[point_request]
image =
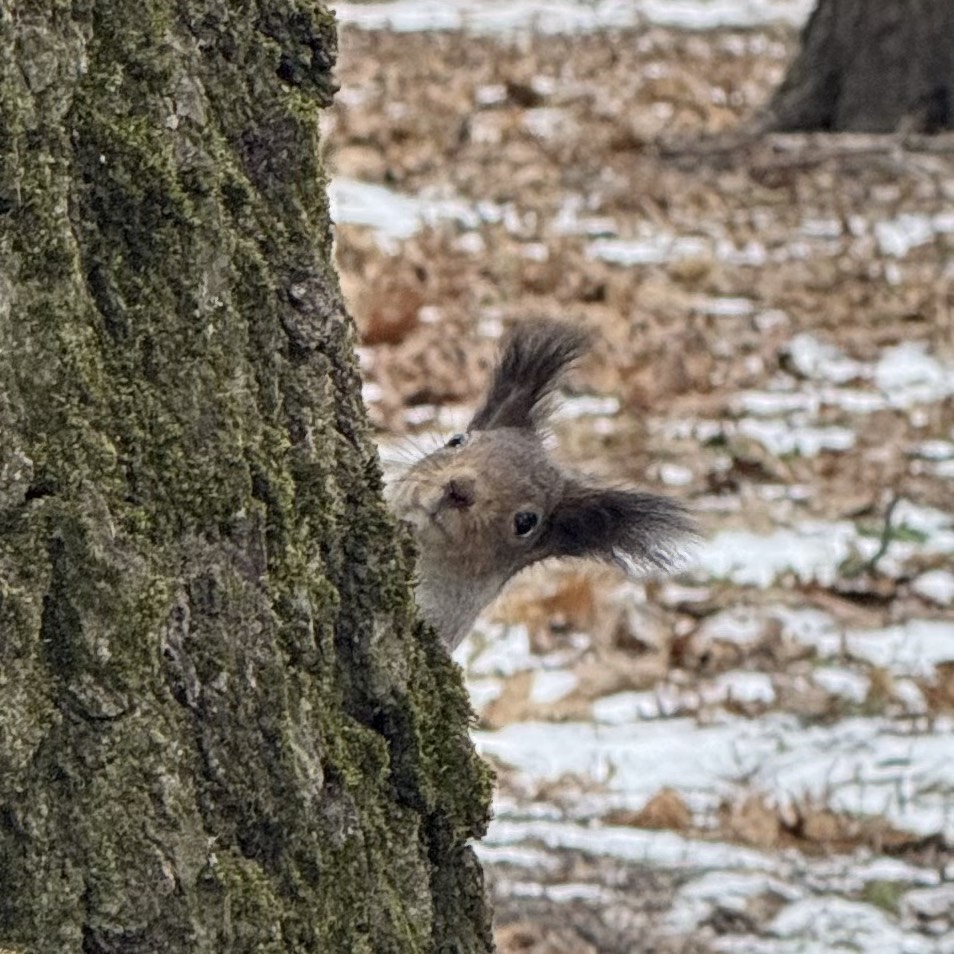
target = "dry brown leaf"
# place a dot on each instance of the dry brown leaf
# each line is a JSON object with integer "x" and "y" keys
{"x": 752, "y": 821}
{"x": 939, "y": 691}
{"x": 531, "y": 937}
{"x": 666, "y": 810}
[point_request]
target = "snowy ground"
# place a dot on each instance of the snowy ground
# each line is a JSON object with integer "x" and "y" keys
{"x": 506, "y": 17}
{"x": 757, "y": 756}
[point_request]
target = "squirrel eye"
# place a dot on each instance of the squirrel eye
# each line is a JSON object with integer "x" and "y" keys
{"x": 458, "y": 440}
{"x": 524, "y": 522}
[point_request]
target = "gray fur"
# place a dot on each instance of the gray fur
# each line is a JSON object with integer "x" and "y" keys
{"x": 534, "y": 358}
{"x": 469, "y": 502}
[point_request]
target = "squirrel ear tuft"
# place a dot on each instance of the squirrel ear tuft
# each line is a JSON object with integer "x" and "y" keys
{"x": 534, "y": 357}
{"x": 637, "y": 531}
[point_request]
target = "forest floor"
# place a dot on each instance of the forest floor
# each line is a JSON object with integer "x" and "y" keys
{"x": 757, "y": 756}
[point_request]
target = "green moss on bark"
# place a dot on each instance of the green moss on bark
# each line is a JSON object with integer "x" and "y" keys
{"x": 222, "y": 727}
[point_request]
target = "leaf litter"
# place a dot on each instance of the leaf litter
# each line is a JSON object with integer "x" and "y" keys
{"x": 755, "y": 756}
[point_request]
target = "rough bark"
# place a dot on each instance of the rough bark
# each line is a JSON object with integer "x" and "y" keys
{"x": 871, "y": 67}
{"x": 221, "y": 727}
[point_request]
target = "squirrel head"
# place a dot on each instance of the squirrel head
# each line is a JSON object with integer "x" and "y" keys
{"x": 492, "y": 501}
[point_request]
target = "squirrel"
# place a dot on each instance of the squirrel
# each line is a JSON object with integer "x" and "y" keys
{"x": 492, "y": 501}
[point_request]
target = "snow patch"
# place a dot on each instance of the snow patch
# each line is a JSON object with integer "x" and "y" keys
{"x": 842, "y": 682}
{"x": 552, "y": 685}
{"x": 899, "y": 236}
{"x": 652, "y": 250}
{"x": 496, "y": 17}
{"x": 503, "y": 651}
{"x": 751, "y": 687}
{"x": 850, "y": 925}
{"x": 937, "y": 586}
{"x": 812, "y": 551}
{"x": 675, "y": 475}
{"x": 729, "y": 891}
{"x": 790, "y": 437}
{"x": 661, "y": 848}
{"x": 908, "y": 375}
{"x": 913, "y": 648}
{"x": 819, "y": 361}
{"x": 623, "y": 707}
{"x": 395, "y": 216}
{"x": 858, "y": 765}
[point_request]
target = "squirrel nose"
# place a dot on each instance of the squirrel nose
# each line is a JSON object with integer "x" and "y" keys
{"x": 460, "y": 492}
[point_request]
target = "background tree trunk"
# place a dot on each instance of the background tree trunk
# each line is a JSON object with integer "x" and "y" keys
{"x": 220, "y": 728}
{"x": 872, "y": 67}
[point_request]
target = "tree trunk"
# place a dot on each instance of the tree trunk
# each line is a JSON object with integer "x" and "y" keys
{"x": 872, "y": 67}
{"x": 221, "y": 727}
